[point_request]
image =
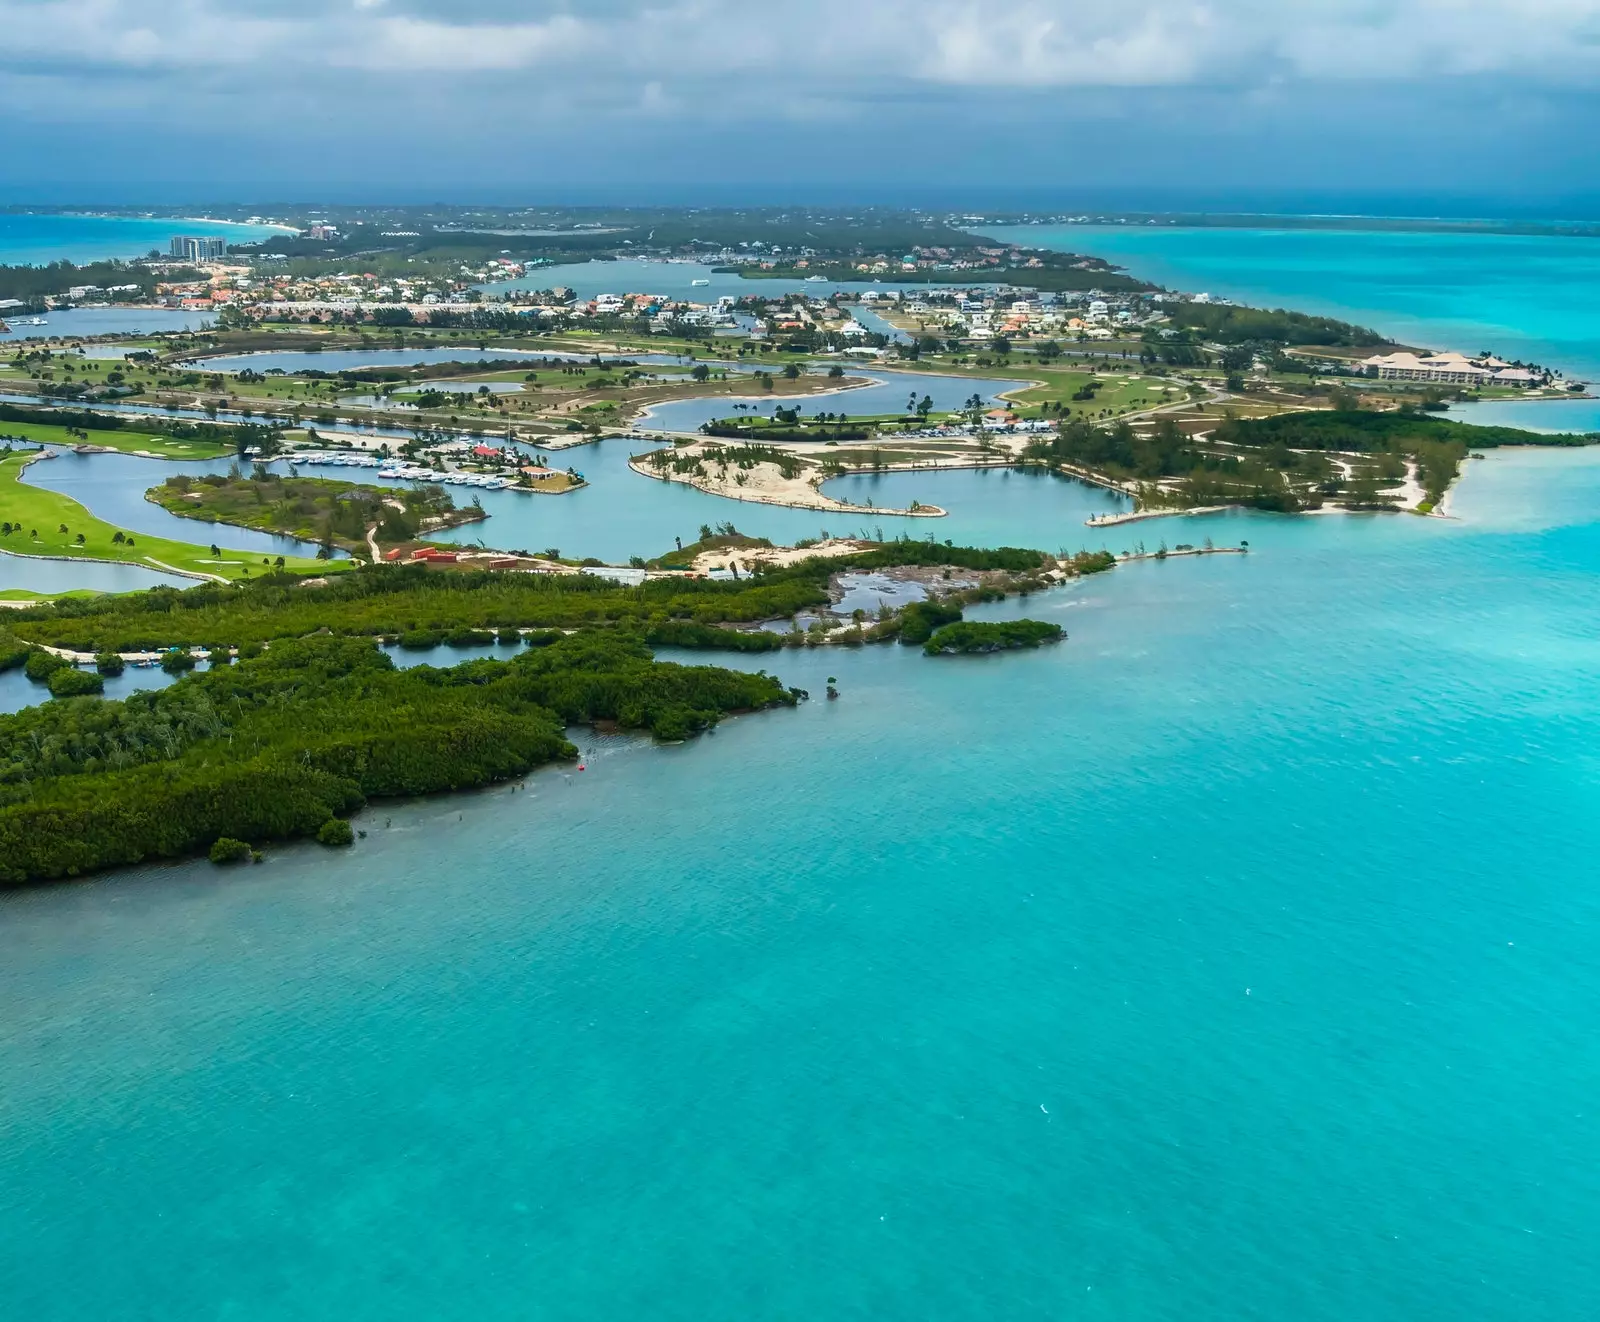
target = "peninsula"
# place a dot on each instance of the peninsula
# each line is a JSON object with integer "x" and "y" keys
{"x": 292, "y": 725}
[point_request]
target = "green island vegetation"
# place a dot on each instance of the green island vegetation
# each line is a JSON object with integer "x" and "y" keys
{"x": 1287, "y": 462}
{"x": 327, "y": 511}
{"x": 36, "y": 521}
{"x": 300, "y": 718}
{"x": 966, "y": 637}
{"x": 740, "y": 457}
{"x": 965, "y": 262}
{"x": 289, "y": 739}
{"x": 1363, "y": 429}
{"x": 392, "y": 600}
{"x": 1229, "y": 324}
{"x": 13, "y": 651}
{"x": 920, "y": 619}
{"x": 228, "y": 850}
{"x": 1437, "y": 446}
{"x": 791, "y": 427}
{"x": 1279, "y": 221}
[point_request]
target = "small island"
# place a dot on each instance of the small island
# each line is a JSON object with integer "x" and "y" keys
{"x": 968, "y": 637}
{"x": 764, "y": 474}
{"x": 335, "y": 514}
{"x": 37, "y": 522}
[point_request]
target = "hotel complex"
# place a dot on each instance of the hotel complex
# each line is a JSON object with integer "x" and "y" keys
{"x": 1447, "y": 369}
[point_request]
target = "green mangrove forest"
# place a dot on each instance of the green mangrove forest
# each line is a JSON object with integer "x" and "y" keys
{"x": 303, "y": 733}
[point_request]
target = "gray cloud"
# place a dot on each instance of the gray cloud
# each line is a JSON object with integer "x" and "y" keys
{"x": 741, "y": 87}
{"x": 697, "y": 43}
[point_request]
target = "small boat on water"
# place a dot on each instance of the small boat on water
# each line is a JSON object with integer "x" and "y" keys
{"x": 696, "y": 284}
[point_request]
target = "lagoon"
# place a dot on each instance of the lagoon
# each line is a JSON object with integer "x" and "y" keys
{"x": 622, "y": 514}
{"x": 675, "y": 280}
{"x": 351, "y": 360}
{"x": 889, "y": 393}
{"x": 113, "y": 486}
{"x": 34, "y": 574}
{"x": 74, "y": 323}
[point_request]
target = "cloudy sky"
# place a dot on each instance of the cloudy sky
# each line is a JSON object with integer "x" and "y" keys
{"x": 1182, "y": 100}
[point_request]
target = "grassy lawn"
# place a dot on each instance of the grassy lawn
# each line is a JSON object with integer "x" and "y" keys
{"x": 1116, "y": 393}
{"x": 125, "y": 441}
{"x": 25, "y": 597}
{"x": 35, "y": 509}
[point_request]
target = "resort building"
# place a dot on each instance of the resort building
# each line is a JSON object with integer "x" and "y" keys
{"x": 1446, "y": 369}
{"x": 198, "y": 248}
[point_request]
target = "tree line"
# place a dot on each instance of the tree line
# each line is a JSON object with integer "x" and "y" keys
{"x": 278, "y": 745}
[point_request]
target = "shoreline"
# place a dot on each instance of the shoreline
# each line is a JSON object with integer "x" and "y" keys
{"x": 821, "y": 503}
{"x": 131, "y": 564}
{"x": 636, "y": 421}
{"x": 1136, "y": 516}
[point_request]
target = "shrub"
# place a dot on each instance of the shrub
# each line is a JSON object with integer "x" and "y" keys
{"x": 689, "y": 634}
{"x": 509, "y": 637}
{"x": 41, "y": 665}
{"x": 13, "y": 651}
{"x": 466, "y": 637}
{"x": 69, "y": 682}
{"x": 969, "y": 636}
{"x": 229, "y": 850}
{"x": 921, "y": 618}
{"x": 177, "y": 661}
{"x": 336, "y": 833}
{"x": 674, "y": 725}
{"x": 109, "y": 664}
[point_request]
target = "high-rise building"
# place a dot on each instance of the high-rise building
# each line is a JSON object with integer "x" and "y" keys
{"x": 198, "y": 248}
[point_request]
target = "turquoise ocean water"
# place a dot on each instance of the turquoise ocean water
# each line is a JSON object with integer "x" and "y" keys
{"x": 1234, "y": 960}
{"x": 30, "y": 240}
{"x": 1529, "y": 297}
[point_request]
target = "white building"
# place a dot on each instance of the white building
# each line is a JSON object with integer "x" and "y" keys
{"x": 1453, "y": 369}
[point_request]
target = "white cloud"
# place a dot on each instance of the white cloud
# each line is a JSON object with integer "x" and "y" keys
{"x": 694, "y": 51}
{"x": 417, "y": 45}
